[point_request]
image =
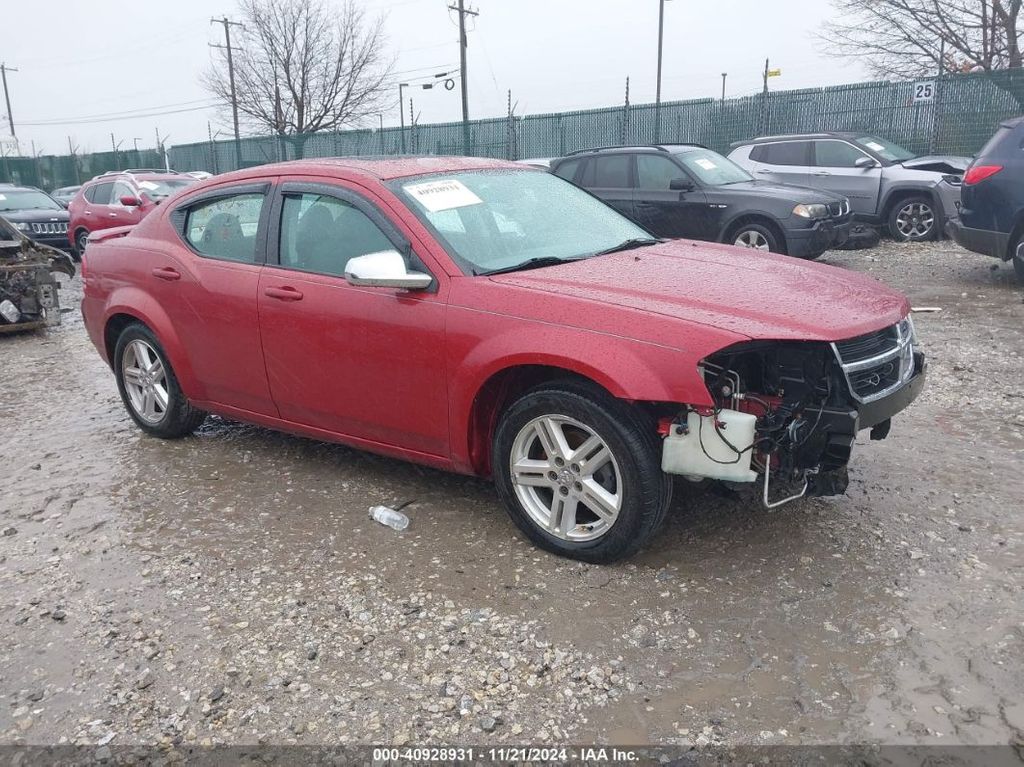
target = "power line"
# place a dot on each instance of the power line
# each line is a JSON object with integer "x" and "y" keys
{"x": 122, "y": 118}
{"x": 117, "y": 113}
{"x": 463, "y": 44}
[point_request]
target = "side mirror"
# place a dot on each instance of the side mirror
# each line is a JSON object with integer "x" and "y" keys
{"x": 680, "y": 185}
{"x": 865, "y": 162}
{"x": 130, "y": 201}
{"x": 385, "y": 269}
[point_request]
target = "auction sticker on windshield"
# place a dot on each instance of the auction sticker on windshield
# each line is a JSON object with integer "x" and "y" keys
{"x": 706, "y": 164}
{"x": 442, "y": 195}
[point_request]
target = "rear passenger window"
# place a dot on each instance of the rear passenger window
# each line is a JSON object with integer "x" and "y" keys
{"x": 321, "y": 233}
{"x": 567, "y": 170}
{"x": 783, "y": 153}
{"x": 611, "y": 171}
{"x": 226, "y": 227}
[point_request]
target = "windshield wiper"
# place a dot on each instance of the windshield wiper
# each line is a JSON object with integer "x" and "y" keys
{"x": 631, "y": 244}
{"x": 530, "y": 263}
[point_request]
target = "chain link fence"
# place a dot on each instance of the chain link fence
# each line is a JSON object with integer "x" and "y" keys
{"x": 961, "y": 115}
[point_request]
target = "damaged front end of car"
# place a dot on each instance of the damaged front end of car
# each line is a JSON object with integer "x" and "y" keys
{"x": 786, "y": 414}
{"x": 28, "y": 287}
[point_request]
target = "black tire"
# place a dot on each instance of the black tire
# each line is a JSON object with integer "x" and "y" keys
{"x": 179, "y": 418}
{"x": 926, "y": 207}
{"x": 632, "y": 439}
{"x": 753, "y": 230}
{"x": 80, "y": 240}
{"x": 1017, "y": 256}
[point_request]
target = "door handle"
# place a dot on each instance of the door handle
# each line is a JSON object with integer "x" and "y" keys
{"x": 166, "y": 273}
{"x": 283, "y": 294}
{"x": 112, "y": 215}
{"x": 821, "y": 173}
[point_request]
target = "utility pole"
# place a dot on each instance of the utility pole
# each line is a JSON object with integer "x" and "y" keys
{"x": 764, "y": 101}
{"x": 231, "y": 77}
{"x": 657, "y": 97}
{"x": 463, "y": 43}
{"x": 401, "y": 114}
{"x": 74, "y": 161}
{"x": 4, "y": 69}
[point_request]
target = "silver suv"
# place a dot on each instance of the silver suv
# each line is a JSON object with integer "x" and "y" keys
{"x": 887, "y": 185}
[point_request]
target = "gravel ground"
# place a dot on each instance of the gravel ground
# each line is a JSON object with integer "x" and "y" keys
{"x": 229, "y": 588}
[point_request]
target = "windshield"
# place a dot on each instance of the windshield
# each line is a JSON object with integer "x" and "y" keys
{"x": 498, "y": 219}
{"x": 27, "y": 199}
{"x": 711, "y": 168}
{"x": 885, "y": 149}
{"x": 159, "y": 189}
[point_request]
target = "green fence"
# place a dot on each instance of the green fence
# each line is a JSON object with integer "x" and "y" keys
{"x": 963, "y": 113}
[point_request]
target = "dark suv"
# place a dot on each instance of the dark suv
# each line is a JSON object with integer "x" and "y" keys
{"x": 992, "y": 198}
{"x": 688, "y": 191}
{"x": 35, "y": 214}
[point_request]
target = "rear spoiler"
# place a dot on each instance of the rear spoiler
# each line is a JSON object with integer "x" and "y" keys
{"x": 113, "y": 233}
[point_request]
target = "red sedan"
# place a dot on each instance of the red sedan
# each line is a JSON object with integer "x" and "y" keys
{"x": 489, "y": 318}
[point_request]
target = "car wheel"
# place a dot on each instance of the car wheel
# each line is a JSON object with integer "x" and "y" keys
{"x": 756, "y": 236}
{"x": 1018, "y": 259}
{"x": 81, "y": 238}
{"x": 149, "y": 388}
{"x": 913, "y": 220}
{"x": 579, "y": 472}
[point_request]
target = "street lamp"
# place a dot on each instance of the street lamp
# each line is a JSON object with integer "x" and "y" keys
{"x": 657, "y": 97}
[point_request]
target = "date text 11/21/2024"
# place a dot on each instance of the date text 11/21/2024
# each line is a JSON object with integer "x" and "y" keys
{"x": 502, "y": 754}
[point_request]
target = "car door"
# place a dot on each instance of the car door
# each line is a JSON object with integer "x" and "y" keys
{"x": 782, "y": 162}
{"x": 119, "y": 214}
{"x": 667, "y": 212}
{"x": 610, "y": 177}
{"x": 836, "y": 170}
{"x": 97, "y": 203}
{"x": 362, "y": 362}
{"x": 208, "y": 287}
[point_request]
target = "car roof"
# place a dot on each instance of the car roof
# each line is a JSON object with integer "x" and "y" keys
{"x": 383, "y": 168}
{"x": 19, "y": 187}
{"x": 669, "y": 148}
{"x": 797, "y": 137}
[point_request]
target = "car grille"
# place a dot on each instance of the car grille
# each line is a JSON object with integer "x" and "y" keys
{"x": 878, "y": 363}
{"x": 839, "y": 208}
{"x": 57, "y": 227}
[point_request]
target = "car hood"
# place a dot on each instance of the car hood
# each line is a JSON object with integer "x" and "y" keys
{"x": 760, "y": 296}
{"x": 34, "y": 215}
{"x": 939, "y": 163}
{"x": 786, "y": 192}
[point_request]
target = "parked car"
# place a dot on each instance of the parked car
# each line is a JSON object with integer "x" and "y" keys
{"x": 991, "y": 217}
{"x": 65, "y": 194}
{"x": 886, "y": 184}
{"x": 119, "y": 198}
{"x": 35, "y": 214}
{"x": 488, "y": 318}
{"x": 28, "y": 289}
{"x": 688, "y": 191}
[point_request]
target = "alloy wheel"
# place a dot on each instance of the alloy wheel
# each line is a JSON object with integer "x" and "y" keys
{"x": 145, "y": 381}
{"x": 915, "y": 220}
{"x": 751, "y": 238}
{"x": 566, "y": 478}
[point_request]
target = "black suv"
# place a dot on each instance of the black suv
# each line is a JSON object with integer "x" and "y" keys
{"x": 688, "y": 191}
{"x": 35, "y": 214}
{"x": 992, "y": 207}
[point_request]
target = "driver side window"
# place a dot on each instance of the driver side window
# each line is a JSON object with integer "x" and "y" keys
{"x": 655, "y": 173}
{"x": 320, "y": 234}
{"x": 836, "y": 154}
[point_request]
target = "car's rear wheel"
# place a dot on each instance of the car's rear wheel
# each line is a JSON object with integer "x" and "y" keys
{"x": 913, "y": 219}
{"x": 579, "y": 472}
{"x": 81, "y": 238}
{"x": 756, "y": 236}
{"x": 1018, "y": 258}
{"x": 149, "y": 388}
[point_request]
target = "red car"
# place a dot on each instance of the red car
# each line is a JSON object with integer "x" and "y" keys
{"x": 489, "y": 318}
{"x": 119, "y": 198}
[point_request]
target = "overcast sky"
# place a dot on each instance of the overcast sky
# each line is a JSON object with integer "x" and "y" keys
{"x": 101, "y": 59}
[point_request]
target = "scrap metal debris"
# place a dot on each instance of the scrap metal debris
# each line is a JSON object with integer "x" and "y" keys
{"x": 28, "y": 288}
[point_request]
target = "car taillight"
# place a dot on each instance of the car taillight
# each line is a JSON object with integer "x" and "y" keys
{"x": 978, "y": 173}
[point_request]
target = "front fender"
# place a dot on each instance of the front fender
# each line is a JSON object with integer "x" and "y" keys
{"x": 133, "y": 302}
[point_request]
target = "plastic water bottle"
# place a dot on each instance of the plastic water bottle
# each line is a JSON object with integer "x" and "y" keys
{"x": 396, "y": 520}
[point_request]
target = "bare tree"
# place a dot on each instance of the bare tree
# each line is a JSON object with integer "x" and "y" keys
{"x": 302, "y": 67}
{"x": 911, "y": 38}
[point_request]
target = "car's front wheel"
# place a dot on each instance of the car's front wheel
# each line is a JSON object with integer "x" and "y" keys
{"x": 81, "y": 238}
{"x": 756, "y": 236}
{"x": 579, "y": 472}
{"x": 913, "y": 220}
{"x": 149, "y": 388}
